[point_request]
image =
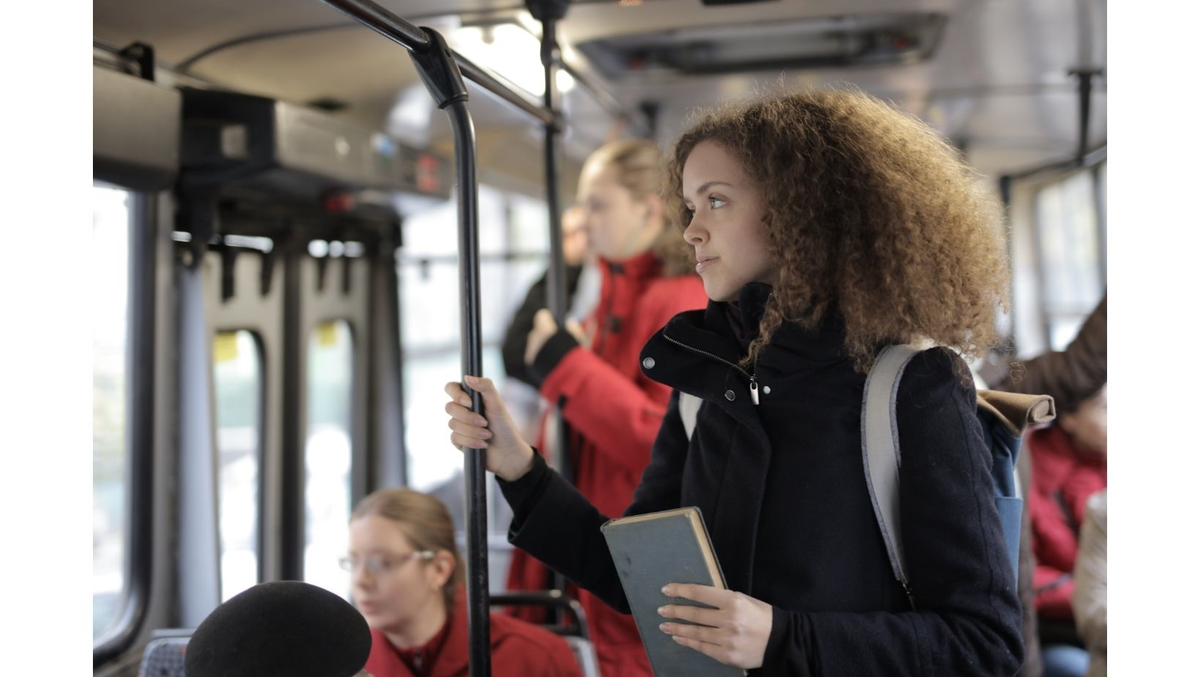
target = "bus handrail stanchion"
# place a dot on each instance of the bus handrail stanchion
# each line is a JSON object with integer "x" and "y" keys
{"x": 439, "y": 71}
{"x": 549, "y": 12}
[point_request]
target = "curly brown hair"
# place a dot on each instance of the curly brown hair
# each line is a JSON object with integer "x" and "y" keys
{"x": 870, "y": 214}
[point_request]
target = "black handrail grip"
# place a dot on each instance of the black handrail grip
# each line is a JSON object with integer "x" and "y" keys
{"x": 439, "y": 71}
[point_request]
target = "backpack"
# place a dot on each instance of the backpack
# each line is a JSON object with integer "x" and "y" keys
{"x": 1002, "y": 415}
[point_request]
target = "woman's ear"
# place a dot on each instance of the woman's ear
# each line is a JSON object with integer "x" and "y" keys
{"x": 655, "y": 209}
{"x": 443, "y": 567}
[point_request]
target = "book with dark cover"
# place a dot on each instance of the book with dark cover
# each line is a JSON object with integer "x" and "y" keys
{"x": 650, "y": 551}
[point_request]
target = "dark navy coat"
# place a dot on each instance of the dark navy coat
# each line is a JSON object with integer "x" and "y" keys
{"x": 783, "y": 493}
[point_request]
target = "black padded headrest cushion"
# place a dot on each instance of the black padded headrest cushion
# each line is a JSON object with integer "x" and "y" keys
{"x": 284, "y": 628}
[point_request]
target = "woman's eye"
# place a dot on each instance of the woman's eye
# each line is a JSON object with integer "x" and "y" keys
{"x": 691, "y": 213}
{"x": 716, "y": 202}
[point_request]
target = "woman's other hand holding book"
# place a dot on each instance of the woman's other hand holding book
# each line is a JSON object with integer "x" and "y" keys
{"x": 735, "y": 632}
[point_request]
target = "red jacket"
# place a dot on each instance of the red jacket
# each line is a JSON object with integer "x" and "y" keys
{"x": 519, "y": 649}
{"x": 1063, "y": 480}
{"x": 614, "y": 412}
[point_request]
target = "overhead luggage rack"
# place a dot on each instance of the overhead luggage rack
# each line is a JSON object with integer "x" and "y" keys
{"x": 135, "y": 131}
{"x": 278, "y": 148}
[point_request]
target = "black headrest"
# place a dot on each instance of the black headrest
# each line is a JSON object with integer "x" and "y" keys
{"x": 281, "y": 628}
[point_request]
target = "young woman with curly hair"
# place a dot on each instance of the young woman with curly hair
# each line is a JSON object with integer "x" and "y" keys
{"x": 614, "y": 411}
{"x": 826, "y": 225}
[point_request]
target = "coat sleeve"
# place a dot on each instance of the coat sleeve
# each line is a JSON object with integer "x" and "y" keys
{"x": 512, "y": 350}
{"x": 619, "y": 415}
{"x": 556, "y": 524}
{"x": 1070, "y": 376}
{"x": 967, "y": 619}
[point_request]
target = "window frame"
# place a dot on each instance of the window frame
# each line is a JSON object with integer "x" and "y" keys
{"x": 139, "y": 425}
{"x": 1099, "y": 211}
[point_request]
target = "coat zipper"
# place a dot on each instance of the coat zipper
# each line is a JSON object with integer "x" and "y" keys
{"x": 748, "y": 374}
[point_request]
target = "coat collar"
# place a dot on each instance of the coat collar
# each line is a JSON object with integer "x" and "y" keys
{"x": 644, "y": 265}
{"x": 452, "y": 659}
{"x": 793, "y": 353}
{"x": 698, "y": 353}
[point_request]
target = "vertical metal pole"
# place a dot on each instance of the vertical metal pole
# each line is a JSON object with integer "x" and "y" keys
{"x": 395, "y": 469}
{"x": 472, "y": 364}
{"x": 556, "y": 276}
{"x": 291, "y": 536}
{"x": 1085, "y": 111}
{"x": 1100, "y": 199}
{"x": 439, "y": 71}
{"x": 556, "y": 281}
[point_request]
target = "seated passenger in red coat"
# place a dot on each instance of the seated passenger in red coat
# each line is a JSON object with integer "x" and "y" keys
{"x": 406, "y": 574}
{"x": 1070, "y": 463}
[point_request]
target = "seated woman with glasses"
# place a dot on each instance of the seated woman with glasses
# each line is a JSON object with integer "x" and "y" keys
{"x": 406, "y": 576}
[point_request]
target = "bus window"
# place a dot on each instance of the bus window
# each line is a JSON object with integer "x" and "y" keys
{"x": 237, "y": 378}
{"x": 1070, "y": 244}
{"x": 514, "y": 239}
{"x": 513, "y": 245}
{"x": 109, "y": 290}
{"x": 327, "y": 455}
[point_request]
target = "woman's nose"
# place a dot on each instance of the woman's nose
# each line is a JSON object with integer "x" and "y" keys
{"x": 695, "y": 233}
{"x": 588, "y": 222}
{"x": 359, "y": 577}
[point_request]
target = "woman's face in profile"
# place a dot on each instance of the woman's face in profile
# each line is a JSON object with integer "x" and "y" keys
{"x": 726, "y": 228}
{"x": 618, "y": 226}
{"x": 391, "y": 581}
{"x": 1088, "y": 425}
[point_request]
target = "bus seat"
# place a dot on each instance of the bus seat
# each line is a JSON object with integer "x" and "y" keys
{"x": 164, "y": 657}
{"x": 585, "y": 653}
{"x": 572, "y": 628}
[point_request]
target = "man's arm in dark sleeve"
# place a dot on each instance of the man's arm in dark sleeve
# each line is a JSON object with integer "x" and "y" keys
{"x": 512, "y": 350}
{"x": 1070, "y": 376}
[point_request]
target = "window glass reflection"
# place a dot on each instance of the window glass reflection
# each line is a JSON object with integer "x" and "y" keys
{"x": 108, "y": 288}
{"x": 237, "y": 378}
{"x": 327, "y": 454}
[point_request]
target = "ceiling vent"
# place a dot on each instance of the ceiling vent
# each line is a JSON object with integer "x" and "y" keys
{"x": 826, "y": 42}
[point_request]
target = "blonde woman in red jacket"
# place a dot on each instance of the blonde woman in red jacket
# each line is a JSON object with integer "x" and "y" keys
{"x": 407, "y": 574}
{"x": 613, "y": 410}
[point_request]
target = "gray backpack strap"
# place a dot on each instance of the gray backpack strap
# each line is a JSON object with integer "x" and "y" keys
{"x": 881, "y": 451}
{"x": 689, "y": 406}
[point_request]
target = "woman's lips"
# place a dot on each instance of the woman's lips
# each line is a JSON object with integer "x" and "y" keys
{"x": 704, "y": 262}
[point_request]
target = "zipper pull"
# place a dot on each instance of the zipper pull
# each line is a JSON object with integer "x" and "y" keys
{"x": 754, "y": 390}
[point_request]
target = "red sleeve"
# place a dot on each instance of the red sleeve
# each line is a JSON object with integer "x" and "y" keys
{"x": 622, "y": 417}
{"x": 531, "y": 651}
{"x": 1053, "y": 542}
{"x": 1080, "y": 486}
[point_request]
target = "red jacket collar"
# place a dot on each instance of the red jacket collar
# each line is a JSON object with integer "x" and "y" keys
{"x": 453, "y": 658}
{"x": 643, "y": 265}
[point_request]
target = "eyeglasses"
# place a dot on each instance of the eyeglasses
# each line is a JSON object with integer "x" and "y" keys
{"x": 381, "y": 565}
